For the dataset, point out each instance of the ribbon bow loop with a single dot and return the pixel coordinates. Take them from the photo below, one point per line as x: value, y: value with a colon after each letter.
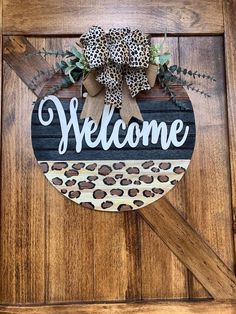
x: 94, y: 43
x: 119, y: 56
x: 120, y: 62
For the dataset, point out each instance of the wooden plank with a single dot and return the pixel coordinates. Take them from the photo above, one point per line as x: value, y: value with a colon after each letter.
x: 69, y: 237
x: 22, y: 200
x: 128, y: 308
x: 190, y: 248
x: 106, y: 245
x: 207, y: 192
x: 18, y: 53
x: 163, y: 275
x: 116, y: 255
x: 230, y: 48
x: 69, y: 272
x: 53, y: 17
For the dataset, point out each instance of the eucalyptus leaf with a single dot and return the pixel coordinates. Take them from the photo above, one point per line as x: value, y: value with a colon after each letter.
x: 76, y: 53
x: 157, y: 60
x: 164, y: 58
x: 68, y: 63
x: 71, y: 78
x: 173, y: 68
x: 80, y: 65
x: 68, y: 71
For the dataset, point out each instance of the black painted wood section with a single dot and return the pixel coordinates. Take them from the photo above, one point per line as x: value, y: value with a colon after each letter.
x: 45, y: 139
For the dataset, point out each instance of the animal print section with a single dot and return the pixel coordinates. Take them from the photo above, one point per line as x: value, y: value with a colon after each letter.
x: 114, y: 186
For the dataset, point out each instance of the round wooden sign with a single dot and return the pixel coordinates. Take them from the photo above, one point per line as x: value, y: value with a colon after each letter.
x: 112, y: 167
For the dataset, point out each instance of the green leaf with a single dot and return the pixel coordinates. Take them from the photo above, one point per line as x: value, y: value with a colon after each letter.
x: 178, y: 70
x: 68, y: 63
x: 71, y: 78
x: 80, y: 65
x: 76, y: 53
x: 164, y: 58
x: 157, y: 60
x: 68, y: 72
x: 173, y: 68
x: 69, y: 69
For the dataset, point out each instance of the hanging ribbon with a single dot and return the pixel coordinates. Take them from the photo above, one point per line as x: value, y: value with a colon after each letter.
x: 119, y: 62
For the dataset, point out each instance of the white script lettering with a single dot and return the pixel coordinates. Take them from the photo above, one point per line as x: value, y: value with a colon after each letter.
x: 144, y: 132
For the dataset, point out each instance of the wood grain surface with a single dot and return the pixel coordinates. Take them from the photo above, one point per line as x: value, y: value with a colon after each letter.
x: 230, y: 48
x: 22, y: 201
x: 52, y: 251
x: 58, y: 17
x: 155, y: 256
x: 122, y: 249
x: 210, y: 187
x: 20, y: 54
x: 172, y: 228
x: 128, y: 308
x: 113, y: 257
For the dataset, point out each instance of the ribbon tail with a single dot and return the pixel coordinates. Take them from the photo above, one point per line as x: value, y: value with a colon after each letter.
x: 130, y: 107
x: 93, y: 107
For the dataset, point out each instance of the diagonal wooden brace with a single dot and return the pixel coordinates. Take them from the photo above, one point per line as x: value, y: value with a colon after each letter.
x: 161, y: 216
x: 190, y: 248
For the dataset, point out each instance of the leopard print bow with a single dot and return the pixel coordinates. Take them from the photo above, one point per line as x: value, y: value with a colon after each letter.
x: 120, y: 56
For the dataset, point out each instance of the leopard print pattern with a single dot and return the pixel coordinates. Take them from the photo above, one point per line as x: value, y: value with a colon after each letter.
x: 114, y: 186
x: 119, y: 54
x: 136, y: 80
x: 112, y: 78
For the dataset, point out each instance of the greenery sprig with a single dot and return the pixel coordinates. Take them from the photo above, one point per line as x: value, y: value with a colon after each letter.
x: 177, y: 69
x: 171, y: 74
x: 74, y: 66
x: 166, y: 78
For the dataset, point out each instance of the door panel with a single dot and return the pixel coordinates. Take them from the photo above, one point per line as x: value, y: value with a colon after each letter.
x: 54, y: 251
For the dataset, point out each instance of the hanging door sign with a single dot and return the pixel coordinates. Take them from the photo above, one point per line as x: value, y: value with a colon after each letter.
x: 112, y: 166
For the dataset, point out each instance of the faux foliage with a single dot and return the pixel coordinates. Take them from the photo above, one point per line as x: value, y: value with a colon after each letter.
x: 74, y: 66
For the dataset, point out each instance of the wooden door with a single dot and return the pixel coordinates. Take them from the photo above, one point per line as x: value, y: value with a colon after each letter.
x: 57, y: 257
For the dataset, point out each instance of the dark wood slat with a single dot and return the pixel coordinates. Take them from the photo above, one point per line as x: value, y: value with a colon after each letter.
x: 53, y: 155
x: 53, y: 143
x: 50, y: 132
x: 53, y: 17
x: 145, y: 103
x: 69, y: 238
x: 167, y: 117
